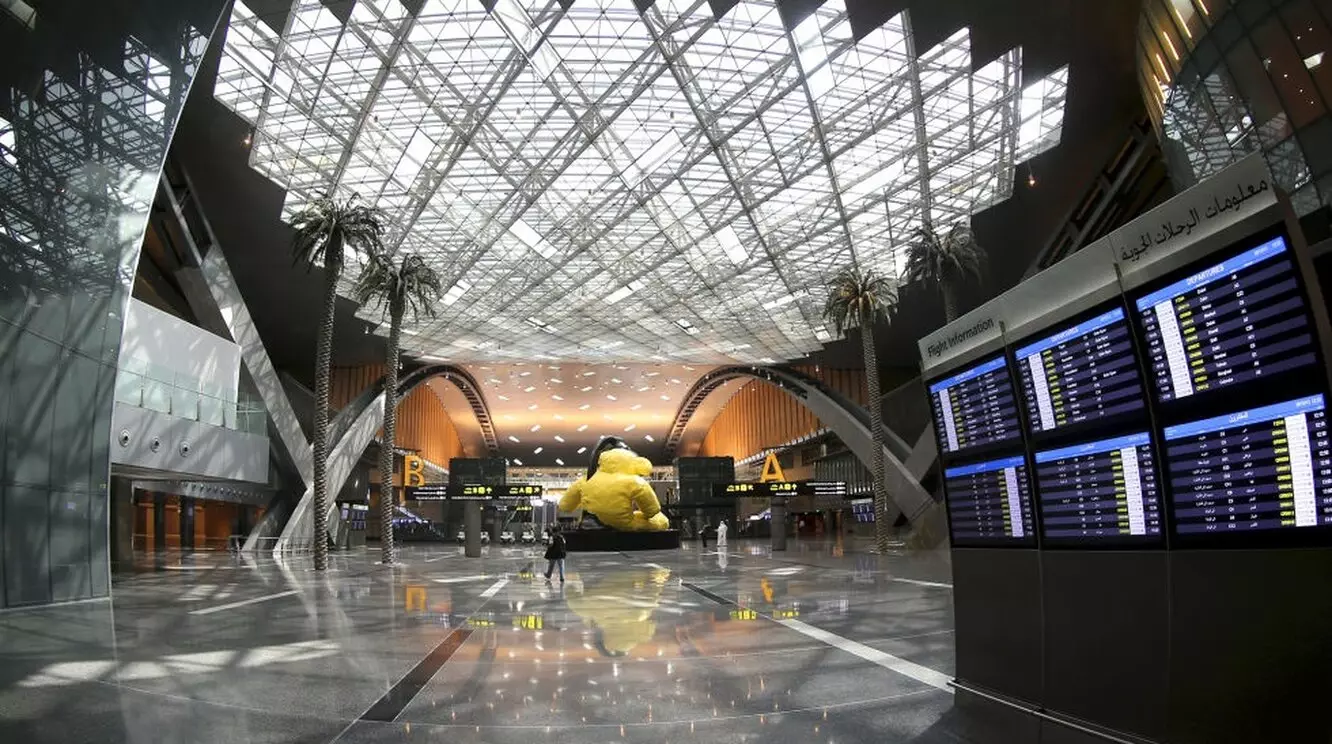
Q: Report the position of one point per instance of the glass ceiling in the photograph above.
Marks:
(602, 183)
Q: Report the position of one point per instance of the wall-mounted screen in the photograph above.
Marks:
(1240, 319)
(1084, 372)
(1267, 468)
(975, 407)
(990, 502)
(1100, 492)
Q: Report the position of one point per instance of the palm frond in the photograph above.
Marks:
(857, 298)
(406, 285)
(936, 258)
(326, 228)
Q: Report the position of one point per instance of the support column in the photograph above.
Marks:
(159, 523)
(472, 529)
(186, 523)
(778, 524)
(122, 521)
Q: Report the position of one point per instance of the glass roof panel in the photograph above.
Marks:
(706, 173)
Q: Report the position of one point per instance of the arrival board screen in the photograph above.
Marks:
(1241, 319)
(1262, 469)
(989, 501)
(975, 407)
(1082, 373)
(1099, 491)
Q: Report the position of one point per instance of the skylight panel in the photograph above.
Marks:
(532, 239)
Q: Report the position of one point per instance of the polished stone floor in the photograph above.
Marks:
(820, 643)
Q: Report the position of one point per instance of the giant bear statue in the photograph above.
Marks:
(615, 490)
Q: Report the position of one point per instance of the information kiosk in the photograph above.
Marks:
(1138, 473)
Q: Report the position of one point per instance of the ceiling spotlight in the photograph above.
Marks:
(558, 461)
(513, 439)
(556, 397)
(535, 428)
(581, 450)
(583, 427)
(532, 407)
(631, 427)
(559, 439)
(610, 397)
(649, 437)
(585, 406)
(537, 451)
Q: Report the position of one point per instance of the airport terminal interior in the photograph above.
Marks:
(819, 371)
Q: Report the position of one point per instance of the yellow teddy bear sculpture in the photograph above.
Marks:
(617, 494)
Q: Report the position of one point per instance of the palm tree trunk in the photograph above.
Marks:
(387, 494)
(323, 360)
(881, 525)
(949, 293)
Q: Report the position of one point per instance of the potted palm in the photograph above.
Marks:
(396, 286)
(326, 229)
(945, 261)
(856, 299)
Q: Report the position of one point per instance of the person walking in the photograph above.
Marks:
(703, 533)
(721, 535)
(555, 553)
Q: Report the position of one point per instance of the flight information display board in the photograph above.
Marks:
(1244, 318)
(1266, 468)
(975, 407)
(1099, 492)
(989, 502)
(1082, 373)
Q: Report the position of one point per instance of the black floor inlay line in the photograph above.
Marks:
(387, 708)
(704, 592)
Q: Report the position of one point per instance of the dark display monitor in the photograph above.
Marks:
(1262, 469)
(1082, 373)
(1101, 492)
(1240, 319)
(989, 503)
(975, 407)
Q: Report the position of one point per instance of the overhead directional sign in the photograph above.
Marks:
(475, 492)
(779, 488)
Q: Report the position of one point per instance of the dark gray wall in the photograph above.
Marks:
(89, 131)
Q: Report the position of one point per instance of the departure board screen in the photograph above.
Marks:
(1242, 319)
(1266, 468)
(1082, 373)
(989, 502)
(975, 407)
(1100, 491)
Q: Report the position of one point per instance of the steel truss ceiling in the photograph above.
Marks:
(602, 183)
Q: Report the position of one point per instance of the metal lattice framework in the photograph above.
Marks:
(603, 182)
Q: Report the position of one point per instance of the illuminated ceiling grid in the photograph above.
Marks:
(602, 184)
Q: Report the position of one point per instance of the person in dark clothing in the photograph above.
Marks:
(555, 553)
(703, 533)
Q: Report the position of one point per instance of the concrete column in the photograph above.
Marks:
(778, 524)
(472, 529)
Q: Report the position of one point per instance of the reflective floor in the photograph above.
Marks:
(817, 644)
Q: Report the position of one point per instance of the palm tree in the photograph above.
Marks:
(857, 298)
(945, 261)
(409, 284)
(325, 230)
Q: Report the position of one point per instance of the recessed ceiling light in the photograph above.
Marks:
(513, 439)
(586, 389)
(528, 389)
(588, 373)
(558, 417)
(537, 451)
(583, 427)
(556, 397)
(675, 381)
(559, 439)
(557, 381)
(585, 406)
(581, 450)
(516, 461)
(608, 417)
(616, 380)
(645, 388)
(558, 461)
(532, 407)
(611, 397)
(535, 427)
(665, 397)
(502, 397)
(525, 373)
(631, 427)
(649, 437)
